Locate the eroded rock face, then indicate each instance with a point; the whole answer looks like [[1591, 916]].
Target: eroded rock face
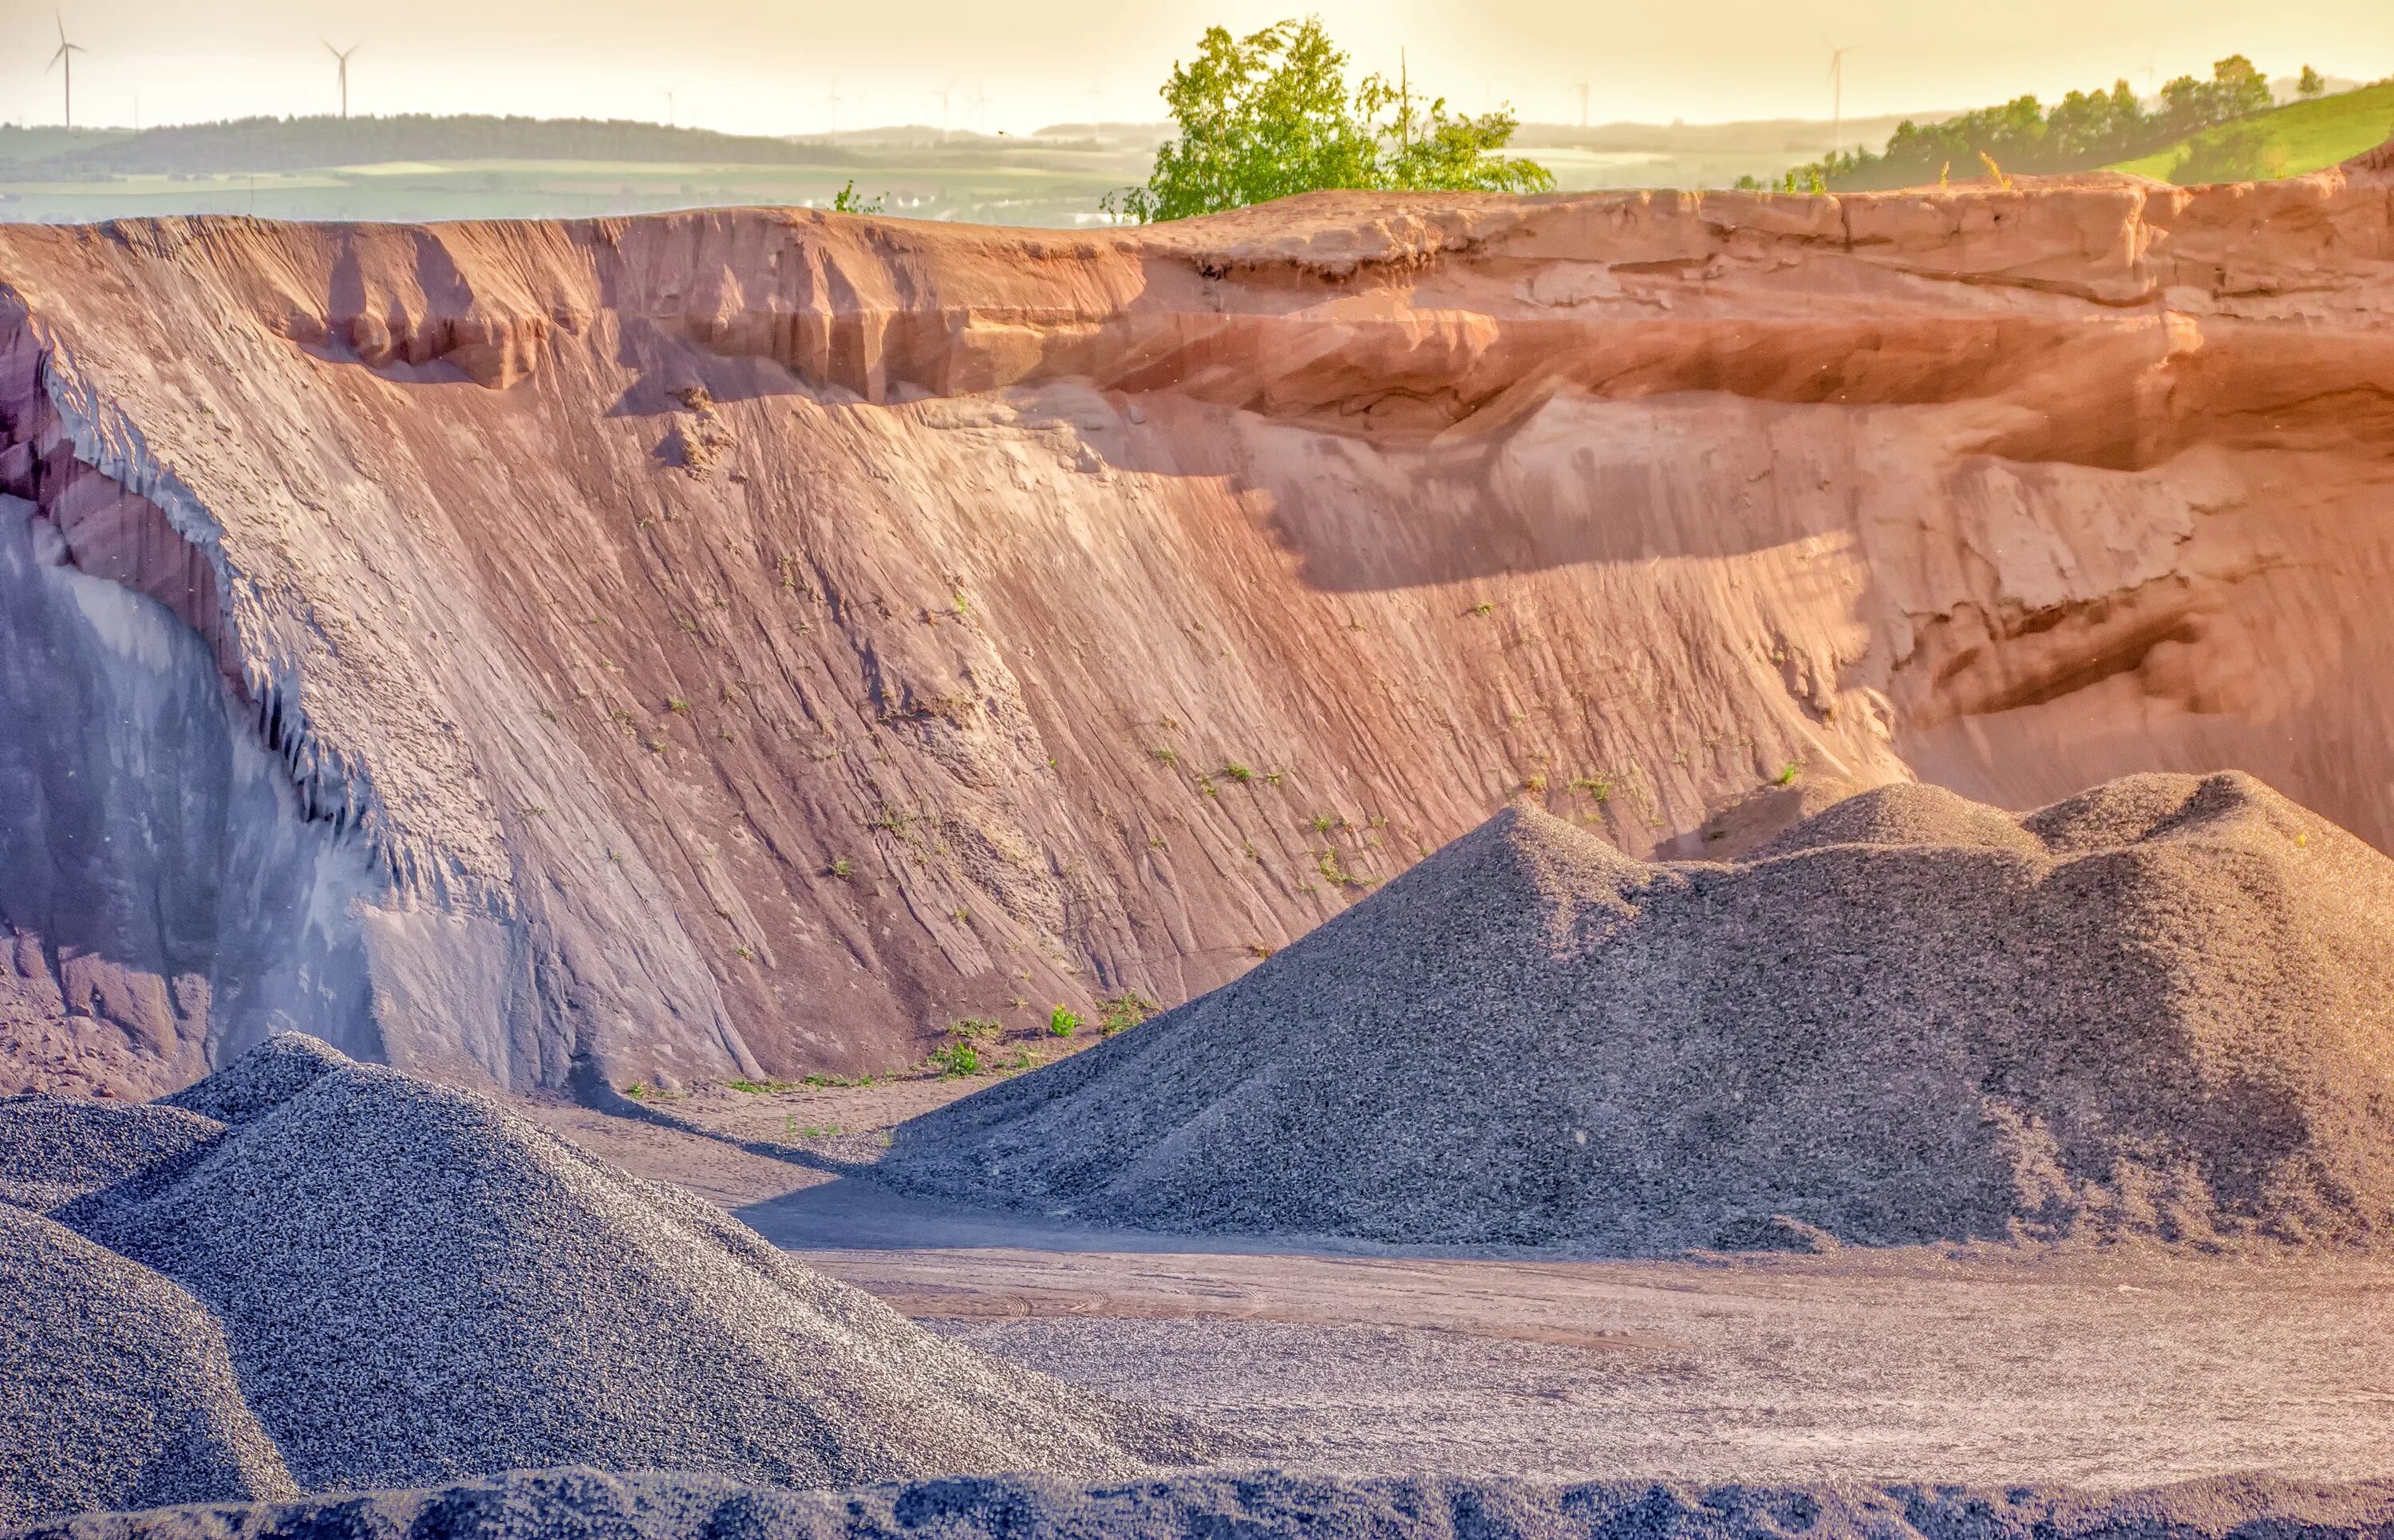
[[742, 642]]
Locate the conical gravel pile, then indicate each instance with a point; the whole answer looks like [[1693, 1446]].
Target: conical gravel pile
[[115, 1388], [412, 1284], [53, 1150], [2164, 1009]]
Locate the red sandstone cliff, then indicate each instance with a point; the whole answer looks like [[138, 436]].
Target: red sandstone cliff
[[745, 642]]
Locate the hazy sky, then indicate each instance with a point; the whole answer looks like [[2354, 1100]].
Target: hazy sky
[[775, 65]]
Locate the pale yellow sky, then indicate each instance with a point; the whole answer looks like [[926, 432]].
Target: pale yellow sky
[[799, 66]]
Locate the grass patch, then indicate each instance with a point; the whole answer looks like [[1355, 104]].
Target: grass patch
[[1122, 1013], [2285, 141], [763, 1087], [957, 1060]]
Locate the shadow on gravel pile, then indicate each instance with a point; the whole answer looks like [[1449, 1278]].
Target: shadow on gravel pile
[[318, 1271], [2162, 1011], [588, 1504]]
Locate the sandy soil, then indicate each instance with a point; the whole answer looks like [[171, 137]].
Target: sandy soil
[[2104, 1369]]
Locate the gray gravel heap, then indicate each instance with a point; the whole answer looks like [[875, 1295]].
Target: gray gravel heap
[[589, 1505], [2164, 1009], [366, 1280], [115, 1390], [56, 1148], [417, 1284], [260, 1080]]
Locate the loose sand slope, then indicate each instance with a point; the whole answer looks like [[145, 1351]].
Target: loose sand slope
[[415, 1285], [2163, 1008], [742, 642]]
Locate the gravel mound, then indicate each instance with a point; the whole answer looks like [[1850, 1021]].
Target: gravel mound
[[57, 1149], [115, 1390], [2161, 1011], [260, 1080], [589, 1505], [416, 1285]]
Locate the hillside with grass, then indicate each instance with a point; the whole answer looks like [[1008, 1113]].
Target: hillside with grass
[[2284, 142], [2234, 126]]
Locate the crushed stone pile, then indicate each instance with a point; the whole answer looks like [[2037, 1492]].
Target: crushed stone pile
[[590, 1504], [260, 1080], [115, 1386], [2161, 1011], [53, 1150], [412, 1284]]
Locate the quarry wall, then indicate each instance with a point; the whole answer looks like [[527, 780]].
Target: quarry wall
[[743, 643]]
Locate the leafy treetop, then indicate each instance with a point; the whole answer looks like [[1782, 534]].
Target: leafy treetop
[[1270, 115]]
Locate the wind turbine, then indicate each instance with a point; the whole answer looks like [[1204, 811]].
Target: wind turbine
[[66, 56], [1836, 90], [341, 62]]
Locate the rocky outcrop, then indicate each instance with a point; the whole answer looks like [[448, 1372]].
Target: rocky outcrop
[[743, 641]]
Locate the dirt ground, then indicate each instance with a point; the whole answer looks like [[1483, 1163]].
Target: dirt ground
[[2100, 1369]]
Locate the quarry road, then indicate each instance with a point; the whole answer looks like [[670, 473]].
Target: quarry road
[[2101, 1370]]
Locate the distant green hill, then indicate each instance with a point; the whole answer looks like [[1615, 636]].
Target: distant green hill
[[2284, 142], [266, 145], [19, 145]]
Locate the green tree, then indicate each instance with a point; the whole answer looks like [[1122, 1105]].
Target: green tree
[[1270, 115], [2235, 152], [2311, 85], [2234, 89]]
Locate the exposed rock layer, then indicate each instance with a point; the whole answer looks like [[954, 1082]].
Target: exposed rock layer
[[740, 643]]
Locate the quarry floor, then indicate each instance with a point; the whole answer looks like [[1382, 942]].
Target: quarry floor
[[2097, 1369]]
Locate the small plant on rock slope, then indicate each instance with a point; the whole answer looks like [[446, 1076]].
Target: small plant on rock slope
[[1123, 1012], [1063, 1023], [957, 1060]]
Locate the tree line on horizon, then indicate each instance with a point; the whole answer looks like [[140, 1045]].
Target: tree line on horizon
[[266, 144], [2084, 131]]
